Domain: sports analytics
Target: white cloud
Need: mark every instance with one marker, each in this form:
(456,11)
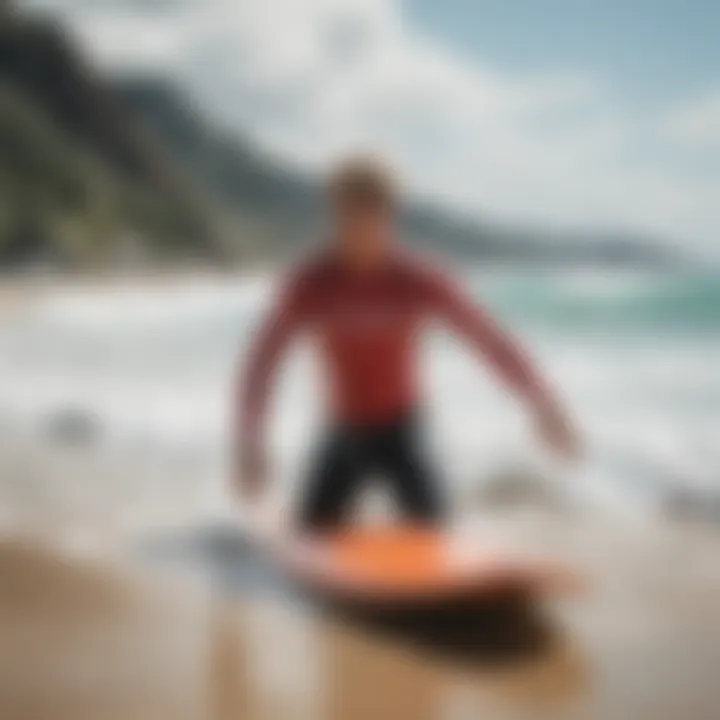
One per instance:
(313,78)
(698,122)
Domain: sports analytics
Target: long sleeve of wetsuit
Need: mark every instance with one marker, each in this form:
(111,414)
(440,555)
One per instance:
(276,330)
(453,305)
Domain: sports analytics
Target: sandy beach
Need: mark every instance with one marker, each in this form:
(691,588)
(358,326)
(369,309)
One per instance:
(90,633)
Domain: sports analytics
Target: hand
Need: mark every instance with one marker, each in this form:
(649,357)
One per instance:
(251,474)
(556,431)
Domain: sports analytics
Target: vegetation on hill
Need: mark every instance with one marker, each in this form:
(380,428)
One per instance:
(78,181)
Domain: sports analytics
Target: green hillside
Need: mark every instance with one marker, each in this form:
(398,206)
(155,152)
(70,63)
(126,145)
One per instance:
(79,183)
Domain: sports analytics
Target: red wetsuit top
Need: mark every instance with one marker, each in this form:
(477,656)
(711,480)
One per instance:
(366,325)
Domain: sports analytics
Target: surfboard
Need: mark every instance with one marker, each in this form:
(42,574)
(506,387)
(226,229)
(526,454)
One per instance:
(416,565)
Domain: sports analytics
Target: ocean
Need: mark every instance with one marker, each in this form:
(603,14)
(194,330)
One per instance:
(138,379)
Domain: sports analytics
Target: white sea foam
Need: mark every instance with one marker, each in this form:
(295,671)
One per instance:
(154,368)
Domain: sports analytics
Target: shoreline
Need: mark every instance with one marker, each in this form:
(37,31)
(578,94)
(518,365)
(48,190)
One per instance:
(161,644)
(95,629)
(201,640)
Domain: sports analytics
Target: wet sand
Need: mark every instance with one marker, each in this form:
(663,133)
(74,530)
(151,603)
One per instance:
(90,637)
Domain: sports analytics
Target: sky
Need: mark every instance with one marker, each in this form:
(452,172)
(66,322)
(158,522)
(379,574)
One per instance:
(646,50)
(574,113)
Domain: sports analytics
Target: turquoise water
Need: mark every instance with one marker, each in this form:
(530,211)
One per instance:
(614,304)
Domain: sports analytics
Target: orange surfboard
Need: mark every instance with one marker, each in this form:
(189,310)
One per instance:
(414,565)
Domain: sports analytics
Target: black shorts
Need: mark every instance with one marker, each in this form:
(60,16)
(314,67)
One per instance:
(393,453)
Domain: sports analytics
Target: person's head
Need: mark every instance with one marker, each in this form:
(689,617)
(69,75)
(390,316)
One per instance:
(363,200)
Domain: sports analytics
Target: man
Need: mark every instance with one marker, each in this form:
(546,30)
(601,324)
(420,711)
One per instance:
(365,299)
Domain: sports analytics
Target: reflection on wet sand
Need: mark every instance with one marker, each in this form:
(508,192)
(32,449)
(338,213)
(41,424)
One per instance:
(83,639)
(94,639)
(307,667)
